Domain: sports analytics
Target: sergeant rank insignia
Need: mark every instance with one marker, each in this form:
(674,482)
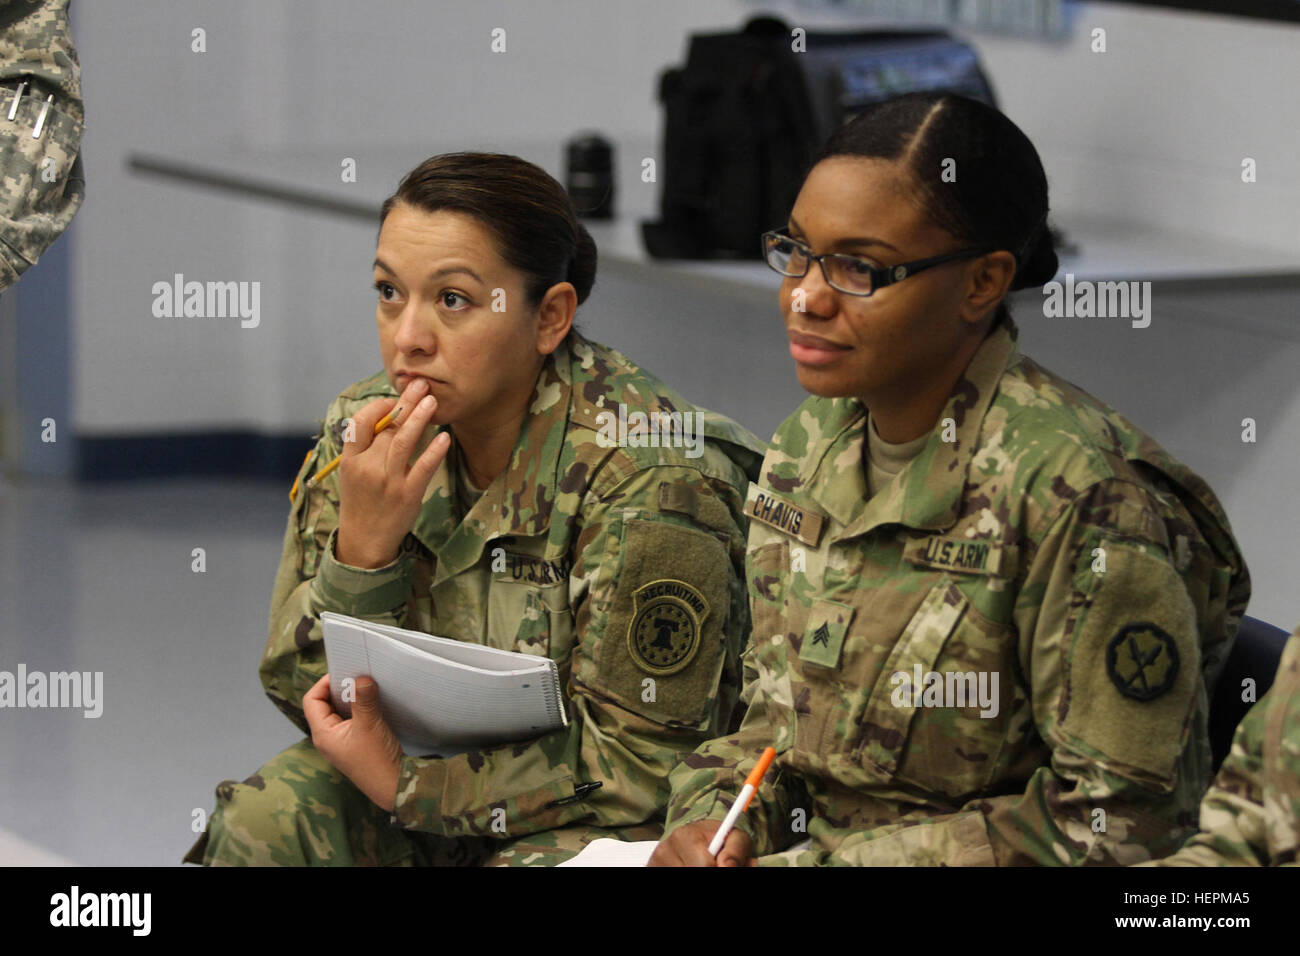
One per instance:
(1142,661)
(665,631)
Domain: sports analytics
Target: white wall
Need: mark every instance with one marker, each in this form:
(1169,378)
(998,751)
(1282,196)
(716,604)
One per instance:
(302,85)
(1158,125)
(1154,129)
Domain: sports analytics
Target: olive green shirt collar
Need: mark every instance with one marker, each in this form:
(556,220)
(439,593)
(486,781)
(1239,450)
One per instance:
(520,499)
(927,493)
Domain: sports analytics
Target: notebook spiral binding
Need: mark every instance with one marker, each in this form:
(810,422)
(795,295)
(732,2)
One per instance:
(555,709)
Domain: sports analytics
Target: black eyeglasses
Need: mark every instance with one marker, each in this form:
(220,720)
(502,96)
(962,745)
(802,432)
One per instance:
(845,273)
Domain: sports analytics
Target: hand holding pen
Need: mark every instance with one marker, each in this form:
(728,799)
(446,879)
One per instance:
(709,843)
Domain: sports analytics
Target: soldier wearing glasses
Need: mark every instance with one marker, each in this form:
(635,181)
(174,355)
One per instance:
(987,609)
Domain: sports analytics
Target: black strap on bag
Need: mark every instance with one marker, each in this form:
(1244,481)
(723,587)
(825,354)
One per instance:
(736,139)
(746,114)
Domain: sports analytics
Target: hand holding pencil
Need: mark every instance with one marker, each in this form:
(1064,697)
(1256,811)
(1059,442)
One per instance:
(381,490)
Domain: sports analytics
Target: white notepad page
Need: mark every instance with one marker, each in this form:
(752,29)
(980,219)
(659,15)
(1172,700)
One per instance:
(444,696)
(607,852)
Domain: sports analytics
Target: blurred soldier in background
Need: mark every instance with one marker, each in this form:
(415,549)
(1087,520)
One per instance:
(1251,815)
(41,119)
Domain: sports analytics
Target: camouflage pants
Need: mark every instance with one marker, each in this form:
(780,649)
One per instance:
(298,810)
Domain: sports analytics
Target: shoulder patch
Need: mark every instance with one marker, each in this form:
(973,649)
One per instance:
(1132,667)
(1142,661)
(664,633)
(802,523)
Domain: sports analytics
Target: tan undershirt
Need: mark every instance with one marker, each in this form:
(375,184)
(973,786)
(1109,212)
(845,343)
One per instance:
(467,494)
(886,459)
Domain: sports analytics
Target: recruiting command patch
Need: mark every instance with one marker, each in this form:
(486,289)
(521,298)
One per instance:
(664,634)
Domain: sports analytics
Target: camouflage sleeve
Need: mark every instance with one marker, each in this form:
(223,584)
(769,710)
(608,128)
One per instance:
(1251,814)
(311,580)
(1110,644)
(659,615)
(41,122)
(706,783)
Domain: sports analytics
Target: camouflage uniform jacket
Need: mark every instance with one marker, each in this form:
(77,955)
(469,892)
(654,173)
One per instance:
(1251,815)
(623,564)
(1039,539)
(40,159)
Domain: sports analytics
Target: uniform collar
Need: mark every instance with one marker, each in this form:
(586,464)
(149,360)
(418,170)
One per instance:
(926,494)
(519,501)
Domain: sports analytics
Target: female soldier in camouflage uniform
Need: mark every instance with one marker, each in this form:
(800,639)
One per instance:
(987,609)
(538,533)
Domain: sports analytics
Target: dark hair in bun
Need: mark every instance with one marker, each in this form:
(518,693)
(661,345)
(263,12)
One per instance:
(1040,263)
(528,213)
(998,197)
(582,268)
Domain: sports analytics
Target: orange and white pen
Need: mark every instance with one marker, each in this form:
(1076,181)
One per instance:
(746,794)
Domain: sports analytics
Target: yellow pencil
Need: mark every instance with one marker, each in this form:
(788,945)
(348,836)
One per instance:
(315,479)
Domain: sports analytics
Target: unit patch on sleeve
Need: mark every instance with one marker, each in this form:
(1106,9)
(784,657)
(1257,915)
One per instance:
(1142,661)
(665,630)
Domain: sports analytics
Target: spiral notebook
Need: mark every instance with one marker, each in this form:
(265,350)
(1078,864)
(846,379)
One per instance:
(442,696)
